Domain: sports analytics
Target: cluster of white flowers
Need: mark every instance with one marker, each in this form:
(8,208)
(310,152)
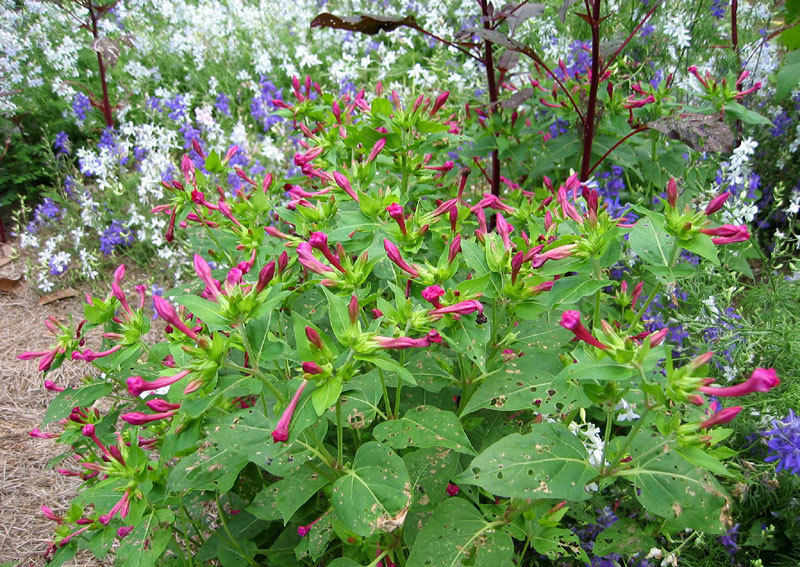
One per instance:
(589,434)
(736,172)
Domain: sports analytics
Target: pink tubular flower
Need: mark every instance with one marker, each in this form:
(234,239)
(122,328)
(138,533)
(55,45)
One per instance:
(353,309)
(167,312)
(36,433)
(396,212)
(407,342)
(658,337)
(394,256)
(52,386)
(302,531)
(568,210)
(727,233)
(491,202)
(672,192)
(571,320)
(723,416)
(504,229)
(265,276)
(124,530)
(376,149)
(160,405)
(281,432)
(122,507)
(203,271)
(461,308)
(761,380)
(48,513)
(309,262)
(439,102)
(431,294)
(139,418)
(90,356)
(319,241)
(47,357)
(344,183)
(716,203)
(136,385)
(454,249)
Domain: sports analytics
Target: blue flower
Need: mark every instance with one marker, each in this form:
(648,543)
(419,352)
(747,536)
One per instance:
(80,105)
(717,9)
(784,444)
(223,104)
(116,235)
(61,144)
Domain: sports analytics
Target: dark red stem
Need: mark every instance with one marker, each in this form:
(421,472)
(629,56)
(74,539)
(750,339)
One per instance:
(492,83)
(109,118)
(591,110)
(615,146)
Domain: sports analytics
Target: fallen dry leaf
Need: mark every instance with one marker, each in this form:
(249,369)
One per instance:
(10,284)
(56,295)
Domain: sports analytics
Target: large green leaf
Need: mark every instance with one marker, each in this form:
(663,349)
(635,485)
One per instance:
(295,489)
(374,493)
(623,536)
(651,242)
(470,339)
(548,462)
(206,310)
(148,540)
(211,467)
(600,371)
(667,485)
(430,470)
(571,289)
(429,367)
(539,335)
(522,385)
(425,426)
(457,535)
(61,406)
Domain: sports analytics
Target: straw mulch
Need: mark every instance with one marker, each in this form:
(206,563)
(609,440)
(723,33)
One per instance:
(27,481)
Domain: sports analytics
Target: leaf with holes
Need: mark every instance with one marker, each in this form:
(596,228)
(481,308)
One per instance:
(360,401)
(522,384)
(61,406)
(295,489)
(211,467)
(573,288)
(374,494)
(369,25)
(315,542)
(701,132)
(148,540)
(597,371)
(516,13)
(623,536)
(548,462)
(469,338)
(457,535)
(430,470)
(425,426)
(667,485)
(539,335)
(432,369)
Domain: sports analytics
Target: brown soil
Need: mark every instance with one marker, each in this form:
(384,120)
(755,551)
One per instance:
(27,481)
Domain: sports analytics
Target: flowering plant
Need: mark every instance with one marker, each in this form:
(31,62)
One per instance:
(375,365)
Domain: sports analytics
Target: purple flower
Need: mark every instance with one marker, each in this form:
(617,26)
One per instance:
(223,104)
(730,540)
(717,9)
(783,442)
(177,107)
(647,30)
(116,235)
(80,106)
(61,144)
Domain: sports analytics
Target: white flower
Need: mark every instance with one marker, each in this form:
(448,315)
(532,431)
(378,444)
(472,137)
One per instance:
(629,414)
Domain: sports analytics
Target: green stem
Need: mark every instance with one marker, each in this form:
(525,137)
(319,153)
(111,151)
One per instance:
(321,450)
(631,434)
(606,438)
(339,432)
(385,394)
(233,541)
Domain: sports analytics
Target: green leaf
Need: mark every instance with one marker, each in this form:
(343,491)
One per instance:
(148,540)
(599,371)
(787,80)
(387,363)
(522,384)
(263,344)
(324,396)
(651,242)
(340,319)
(211,467)
(623,536)
(430,470)
(702,245)
(430,369)
(206,310)
(475,257)
(427,127)
(382,106)
(315,542)
(539,335)
(667,485)
(84,396)
(295,489)
(469,338)
(425,426)
(457,535)
(548,462)
(373,494)
(557,543)
(265,505)
(214,163)
(571,289)
(746,115)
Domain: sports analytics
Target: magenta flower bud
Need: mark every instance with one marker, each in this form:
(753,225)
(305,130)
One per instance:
(124,531)
(160,405)
(229,154)
(439,102)
(281,432)
(198,148)
(302,531)
(52,386)
(167,312)
(396,212)
(234,276)
(716,203)
(637,292)
(265,276)
(452,489)
(432,293)
(672,192)
(727,233)
(658,337)
(723,416)
(319,240)
(504,230)
(701,360)
(394,255)
(119,273)
(36,433)
(696,399)
(48,513)
(353,309)
(309,262)
(139,418)
(344,184)
(461,308)
(137,385)
(761,380)
(455,248)
(312,368)
(376,149)
(571,320)
(313,337)
(516,265)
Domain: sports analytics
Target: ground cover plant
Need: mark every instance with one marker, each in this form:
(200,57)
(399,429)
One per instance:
(445,336)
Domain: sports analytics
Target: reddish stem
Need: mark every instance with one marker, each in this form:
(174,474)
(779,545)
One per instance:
(591,110)
(492,83)
(615,146)
(109,118)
